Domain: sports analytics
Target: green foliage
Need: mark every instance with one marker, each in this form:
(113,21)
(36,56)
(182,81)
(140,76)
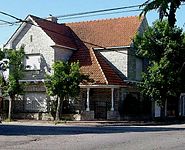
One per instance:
(165,8)
(11,86)
(2,55)
(16,68)
(64,82)
(164,47)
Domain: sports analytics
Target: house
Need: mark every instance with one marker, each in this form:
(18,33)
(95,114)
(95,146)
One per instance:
(105,51)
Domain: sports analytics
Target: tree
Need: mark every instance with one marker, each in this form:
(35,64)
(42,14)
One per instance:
(64,82)
(166,8)
(11,87)
(164,47)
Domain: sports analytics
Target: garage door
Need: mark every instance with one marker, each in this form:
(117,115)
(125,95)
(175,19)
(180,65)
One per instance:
(36,102)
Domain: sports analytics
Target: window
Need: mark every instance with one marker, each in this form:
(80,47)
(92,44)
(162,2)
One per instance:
(31,38)
(35,102)
(32,62)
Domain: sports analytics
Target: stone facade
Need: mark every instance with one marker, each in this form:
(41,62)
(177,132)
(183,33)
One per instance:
(124,61)
(118,58)
(36,43)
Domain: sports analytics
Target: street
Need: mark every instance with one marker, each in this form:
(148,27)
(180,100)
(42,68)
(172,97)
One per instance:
(83,137)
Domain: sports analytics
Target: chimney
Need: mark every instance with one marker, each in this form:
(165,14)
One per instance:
(52,19)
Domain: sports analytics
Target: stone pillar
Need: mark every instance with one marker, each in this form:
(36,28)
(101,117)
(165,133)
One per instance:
(87,102)
(112,99)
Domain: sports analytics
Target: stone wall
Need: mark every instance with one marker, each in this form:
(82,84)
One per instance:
(62,53)
(124,62)
(131,64)
(87,115)
(118,58)
(33,116)
(37,42)
(113,115)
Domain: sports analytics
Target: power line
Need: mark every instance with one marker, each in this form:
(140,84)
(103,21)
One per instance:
(6,14)
(4,22)
(72,16)
(97,11)
(117,12)
(90,43)
(103,10)
(24,21)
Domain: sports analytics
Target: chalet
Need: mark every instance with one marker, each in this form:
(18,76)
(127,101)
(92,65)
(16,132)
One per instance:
(104,49)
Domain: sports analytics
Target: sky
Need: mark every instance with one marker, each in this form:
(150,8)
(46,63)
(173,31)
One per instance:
(42,8)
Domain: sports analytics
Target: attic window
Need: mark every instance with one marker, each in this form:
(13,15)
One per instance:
(31,38)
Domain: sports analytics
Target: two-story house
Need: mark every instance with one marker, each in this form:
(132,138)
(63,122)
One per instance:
(105,51)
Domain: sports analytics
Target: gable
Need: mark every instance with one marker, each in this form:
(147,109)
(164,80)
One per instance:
(26,33)
(59,34)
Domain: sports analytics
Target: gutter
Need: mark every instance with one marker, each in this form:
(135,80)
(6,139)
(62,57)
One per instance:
(61,46)
(100,86)
(39,80)
(132,81)
(116,47)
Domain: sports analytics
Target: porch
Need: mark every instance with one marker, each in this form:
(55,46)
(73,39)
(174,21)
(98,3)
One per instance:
(99,102)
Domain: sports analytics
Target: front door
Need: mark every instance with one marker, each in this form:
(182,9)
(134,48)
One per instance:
(100,110)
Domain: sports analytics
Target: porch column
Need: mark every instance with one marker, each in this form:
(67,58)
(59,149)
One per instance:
(112,99)
(87,102)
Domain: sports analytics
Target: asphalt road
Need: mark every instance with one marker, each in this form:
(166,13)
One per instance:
(67,137)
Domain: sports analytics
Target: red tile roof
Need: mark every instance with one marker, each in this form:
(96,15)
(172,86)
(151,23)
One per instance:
(102,33)
(93,64)
(59,33)
(107,33)
(84,36)
(88,63)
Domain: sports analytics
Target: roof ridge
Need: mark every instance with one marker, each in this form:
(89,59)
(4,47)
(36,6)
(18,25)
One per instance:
(91,49)
(44,19)
(105,19)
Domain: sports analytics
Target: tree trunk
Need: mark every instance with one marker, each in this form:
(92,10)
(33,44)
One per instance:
(163,109)
(10,107)
(59,108)
(57,118)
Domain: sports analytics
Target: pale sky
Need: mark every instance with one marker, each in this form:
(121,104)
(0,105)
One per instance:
(42,8)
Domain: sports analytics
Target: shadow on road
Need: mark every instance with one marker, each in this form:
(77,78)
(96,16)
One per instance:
(21,130)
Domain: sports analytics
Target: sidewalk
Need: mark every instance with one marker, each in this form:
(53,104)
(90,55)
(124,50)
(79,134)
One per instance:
(89,123)
(82,123)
